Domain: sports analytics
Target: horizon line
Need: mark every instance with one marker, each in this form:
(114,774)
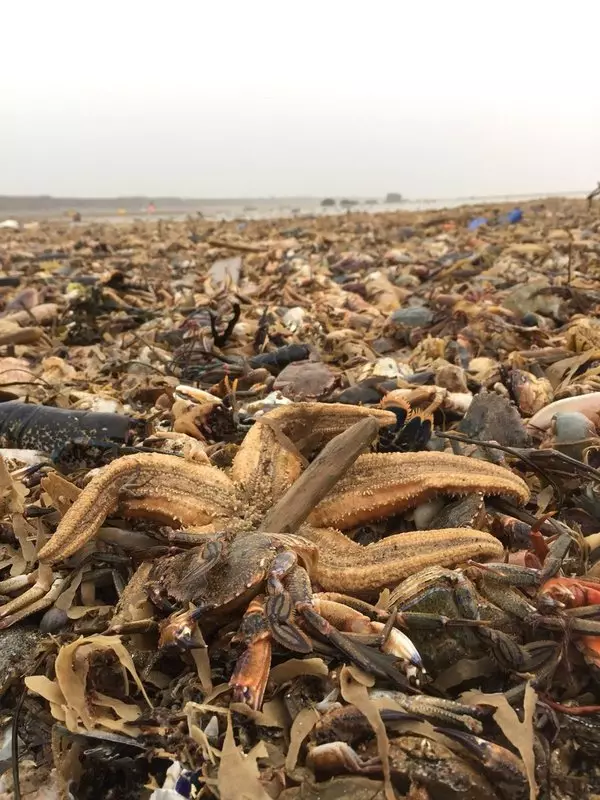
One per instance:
(262,198)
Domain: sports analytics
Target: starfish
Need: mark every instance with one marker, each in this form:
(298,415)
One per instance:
(175,491)
(171,490)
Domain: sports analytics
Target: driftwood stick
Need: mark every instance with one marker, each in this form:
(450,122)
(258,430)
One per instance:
(320,477)
(241,246)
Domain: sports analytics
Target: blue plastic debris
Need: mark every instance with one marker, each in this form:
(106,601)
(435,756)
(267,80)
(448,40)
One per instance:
(516,215)
(477,223)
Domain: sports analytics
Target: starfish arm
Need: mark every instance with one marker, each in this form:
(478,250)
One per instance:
(346,566)
(379,485)
(272,455)
(266,465)
(311,425)
(160,487)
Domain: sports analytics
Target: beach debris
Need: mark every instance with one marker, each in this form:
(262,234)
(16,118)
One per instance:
(477,223)
(48,429)
(307,507)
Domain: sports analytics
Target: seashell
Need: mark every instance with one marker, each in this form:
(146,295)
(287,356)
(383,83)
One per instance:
(586,404)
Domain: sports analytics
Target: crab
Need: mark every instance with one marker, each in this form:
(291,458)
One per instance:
(577,595)
(268,575)
(512,603)
(480,769)
(474,593)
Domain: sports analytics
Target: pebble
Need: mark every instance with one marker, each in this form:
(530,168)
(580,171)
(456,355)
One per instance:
(412,317)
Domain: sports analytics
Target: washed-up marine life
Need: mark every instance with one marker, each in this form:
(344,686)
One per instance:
(160,485)
(176,491)
(200,593)
(46,428)
(279,566)
(418,761)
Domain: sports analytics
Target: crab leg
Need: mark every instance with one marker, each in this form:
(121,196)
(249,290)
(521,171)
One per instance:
(36,601)
(295,596)
(251,673)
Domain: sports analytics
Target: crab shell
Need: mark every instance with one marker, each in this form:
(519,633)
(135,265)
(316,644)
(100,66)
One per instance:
(231,581)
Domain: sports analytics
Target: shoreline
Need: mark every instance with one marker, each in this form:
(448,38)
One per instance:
(245,210)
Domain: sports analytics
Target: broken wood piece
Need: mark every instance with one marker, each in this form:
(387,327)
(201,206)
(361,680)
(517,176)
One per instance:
(244,248)
(320,477)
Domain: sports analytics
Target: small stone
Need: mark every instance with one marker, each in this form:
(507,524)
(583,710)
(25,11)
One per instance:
(306,380)
(492,418)
(571,426)
(54,620)
(412,317)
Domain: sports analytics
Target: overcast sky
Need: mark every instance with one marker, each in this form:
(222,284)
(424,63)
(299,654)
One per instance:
(220,98)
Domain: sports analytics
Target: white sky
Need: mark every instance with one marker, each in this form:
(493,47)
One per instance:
(224,98)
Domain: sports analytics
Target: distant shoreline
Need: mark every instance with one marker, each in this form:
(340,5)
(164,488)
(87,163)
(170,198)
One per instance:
(129,208)
(31,202)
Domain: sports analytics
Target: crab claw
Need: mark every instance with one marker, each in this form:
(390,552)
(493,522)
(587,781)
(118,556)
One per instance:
(572,592)
(399,645)
(350,620)
(249,678)
(500,764)
(178,631)
(367,658)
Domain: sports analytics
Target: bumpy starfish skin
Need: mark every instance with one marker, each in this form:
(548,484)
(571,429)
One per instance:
(266,466)
(346,566)
(310,424)
(163,488)
(379,485)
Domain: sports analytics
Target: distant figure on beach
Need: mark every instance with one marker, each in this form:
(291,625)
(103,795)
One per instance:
(151,208)
(76,217)
(591,195)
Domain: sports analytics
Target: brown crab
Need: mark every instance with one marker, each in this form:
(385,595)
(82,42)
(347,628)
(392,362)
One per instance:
(268,575)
